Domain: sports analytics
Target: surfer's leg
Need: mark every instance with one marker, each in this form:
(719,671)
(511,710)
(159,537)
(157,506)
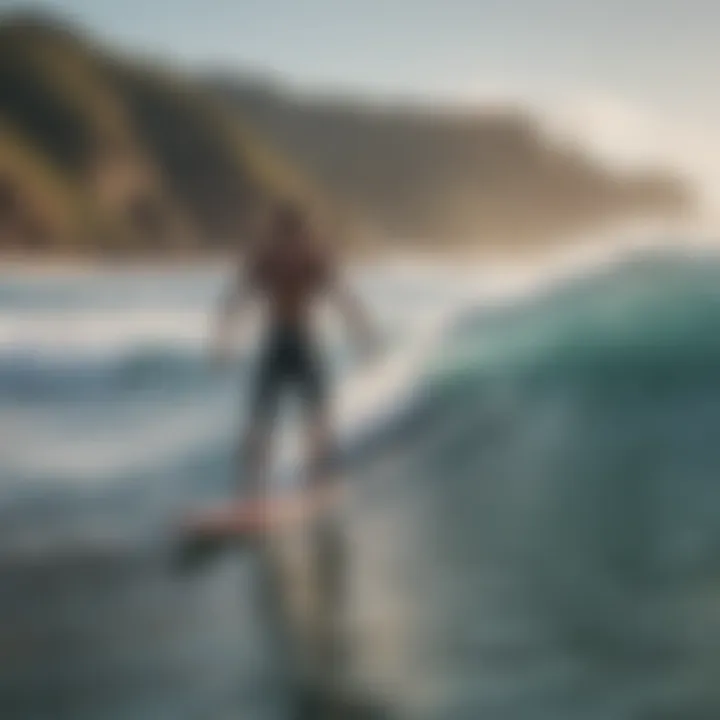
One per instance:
(313,388)
(255,448)
(319,449)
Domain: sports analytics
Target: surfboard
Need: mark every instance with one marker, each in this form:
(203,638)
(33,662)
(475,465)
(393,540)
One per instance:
(242,523)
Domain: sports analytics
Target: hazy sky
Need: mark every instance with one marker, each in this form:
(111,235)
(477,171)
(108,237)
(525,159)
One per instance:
(637,76)
(667,51)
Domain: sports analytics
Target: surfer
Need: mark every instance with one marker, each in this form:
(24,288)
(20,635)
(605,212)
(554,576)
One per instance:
(290,270)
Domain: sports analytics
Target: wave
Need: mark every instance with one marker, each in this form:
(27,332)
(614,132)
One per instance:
(655,311)
(27,377)
(555,480)
(534,490)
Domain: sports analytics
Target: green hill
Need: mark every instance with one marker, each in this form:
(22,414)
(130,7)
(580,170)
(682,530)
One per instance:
(426,172)
(105,155)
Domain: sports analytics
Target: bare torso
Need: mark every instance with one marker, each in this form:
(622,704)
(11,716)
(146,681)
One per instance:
(289,277)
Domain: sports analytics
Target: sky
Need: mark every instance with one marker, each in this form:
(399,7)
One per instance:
(636,79)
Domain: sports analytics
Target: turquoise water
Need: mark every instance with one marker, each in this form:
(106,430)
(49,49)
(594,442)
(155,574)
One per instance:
(533,526)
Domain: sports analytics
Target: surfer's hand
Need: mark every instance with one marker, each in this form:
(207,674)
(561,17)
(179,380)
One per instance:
(370,345)
(218,354)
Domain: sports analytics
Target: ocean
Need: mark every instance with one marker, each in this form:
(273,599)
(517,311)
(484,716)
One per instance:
(533,520)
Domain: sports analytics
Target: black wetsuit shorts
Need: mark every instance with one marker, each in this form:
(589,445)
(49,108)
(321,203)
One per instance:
(289,360)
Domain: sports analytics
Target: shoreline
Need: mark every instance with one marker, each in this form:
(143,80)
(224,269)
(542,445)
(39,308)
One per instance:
(611,241)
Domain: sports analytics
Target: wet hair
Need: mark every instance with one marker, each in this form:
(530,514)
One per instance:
(288,219)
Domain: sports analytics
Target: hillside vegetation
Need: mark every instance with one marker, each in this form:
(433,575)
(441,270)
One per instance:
(426,172)
(106,155)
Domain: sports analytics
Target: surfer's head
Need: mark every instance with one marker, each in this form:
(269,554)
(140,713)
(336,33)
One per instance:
(288,223)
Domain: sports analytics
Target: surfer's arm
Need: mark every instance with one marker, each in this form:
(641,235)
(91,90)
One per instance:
(354,314)
(232,303)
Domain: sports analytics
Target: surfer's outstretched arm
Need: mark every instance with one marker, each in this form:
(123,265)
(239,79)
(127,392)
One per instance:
(232,302)
(355,316)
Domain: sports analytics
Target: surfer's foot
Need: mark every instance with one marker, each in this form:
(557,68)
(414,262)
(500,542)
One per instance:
(204,537)
(194,551)
(313,705)
(327,704)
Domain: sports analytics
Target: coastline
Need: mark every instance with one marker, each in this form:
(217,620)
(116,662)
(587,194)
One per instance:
(609,241)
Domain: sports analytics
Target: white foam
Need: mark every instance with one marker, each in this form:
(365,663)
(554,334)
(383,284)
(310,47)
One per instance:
(158,434)
(149,438)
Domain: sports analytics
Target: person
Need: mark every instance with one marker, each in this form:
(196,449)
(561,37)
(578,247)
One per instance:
(290,271)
